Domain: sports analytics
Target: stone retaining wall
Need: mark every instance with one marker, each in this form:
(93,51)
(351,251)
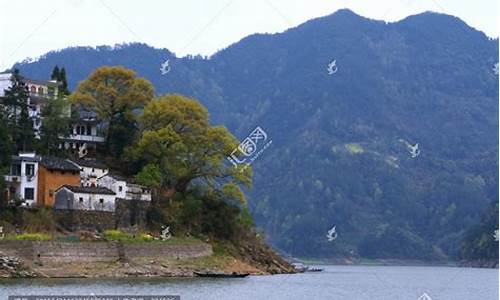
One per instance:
(175,251)
(86,252)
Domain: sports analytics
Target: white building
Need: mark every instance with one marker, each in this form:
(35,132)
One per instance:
(91,170)
(123,189)
(85,133)
(85,198)
(22,180)
(40,92)
(137,192)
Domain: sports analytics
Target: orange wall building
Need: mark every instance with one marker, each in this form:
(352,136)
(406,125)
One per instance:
(53,173)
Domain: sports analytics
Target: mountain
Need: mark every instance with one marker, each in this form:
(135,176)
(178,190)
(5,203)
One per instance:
(339,153)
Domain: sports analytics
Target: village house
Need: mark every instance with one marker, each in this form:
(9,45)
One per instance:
(54,172)
(40,92)
(85,198)
(124,189)
(88,184)
(22,180)
(85,134)
(91,170)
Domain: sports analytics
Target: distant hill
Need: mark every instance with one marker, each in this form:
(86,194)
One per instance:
(339,154)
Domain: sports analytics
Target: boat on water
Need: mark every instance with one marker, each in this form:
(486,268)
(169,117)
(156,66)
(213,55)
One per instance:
(221,275)
(301,268)
(314,270)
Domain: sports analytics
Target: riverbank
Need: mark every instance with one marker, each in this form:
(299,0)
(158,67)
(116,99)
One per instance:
(174,258)
(398,262)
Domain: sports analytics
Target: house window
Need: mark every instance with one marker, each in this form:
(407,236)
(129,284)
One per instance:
(30,169)
(33,89)
(101,201)
(89,130)
(29,193)
(40,90)
(120,188)
(16,169)
(81,200)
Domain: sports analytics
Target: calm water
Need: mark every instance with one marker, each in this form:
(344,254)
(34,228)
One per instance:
(336,282)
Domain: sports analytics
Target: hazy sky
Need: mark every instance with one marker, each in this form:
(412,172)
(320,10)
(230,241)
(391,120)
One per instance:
(30,28)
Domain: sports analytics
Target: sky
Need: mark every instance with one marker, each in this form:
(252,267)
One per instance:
(30,28)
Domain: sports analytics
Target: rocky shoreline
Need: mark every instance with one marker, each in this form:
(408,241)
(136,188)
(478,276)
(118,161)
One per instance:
(254,259)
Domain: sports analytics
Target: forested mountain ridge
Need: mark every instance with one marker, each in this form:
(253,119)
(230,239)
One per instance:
(339,154)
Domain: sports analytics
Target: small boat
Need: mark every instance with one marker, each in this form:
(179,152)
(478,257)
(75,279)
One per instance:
(221,275)
(314,270)
(299,267)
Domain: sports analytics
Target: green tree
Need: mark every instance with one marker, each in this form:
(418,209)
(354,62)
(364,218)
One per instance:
(63,88)
(16,101)
(56,122)
(5,154)
(115,93)
(178,142)
(55,73)
(60,76)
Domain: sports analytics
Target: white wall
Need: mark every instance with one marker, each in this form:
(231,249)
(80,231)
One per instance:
(85,201)
(113,184)
(90,175)
(4,83)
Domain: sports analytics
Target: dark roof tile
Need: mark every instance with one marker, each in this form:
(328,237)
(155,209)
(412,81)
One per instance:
(88,190)
(56,163)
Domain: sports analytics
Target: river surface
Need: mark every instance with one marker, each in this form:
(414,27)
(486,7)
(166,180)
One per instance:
(335,282)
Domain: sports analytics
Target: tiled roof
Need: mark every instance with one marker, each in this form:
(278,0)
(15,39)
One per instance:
(42,82)
(91,163)
(115,175)
(56,163)
(89,190)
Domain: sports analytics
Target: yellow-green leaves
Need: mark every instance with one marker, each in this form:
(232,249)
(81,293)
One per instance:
(176,137)
(112,90)
(233,191)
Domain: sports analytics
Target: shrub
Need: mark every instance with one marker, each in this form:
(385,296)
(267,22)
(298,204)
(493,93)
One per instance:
(116,235)
(41,220)
(146,237)
(33,237)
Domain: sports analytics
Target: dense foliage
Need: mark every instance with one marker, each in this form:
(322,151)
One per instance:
(480,242)
(339,154)
(114,93)
(16,113)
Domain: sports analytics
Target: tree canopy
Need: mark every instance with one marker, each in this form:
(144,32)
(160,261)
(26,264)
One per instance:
(179,148)
(16,113)
(115,93)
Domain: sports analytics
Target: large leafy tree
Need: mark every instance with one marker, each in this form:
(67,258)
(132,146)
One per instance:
(16,102)
(179,149)
(115,93)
